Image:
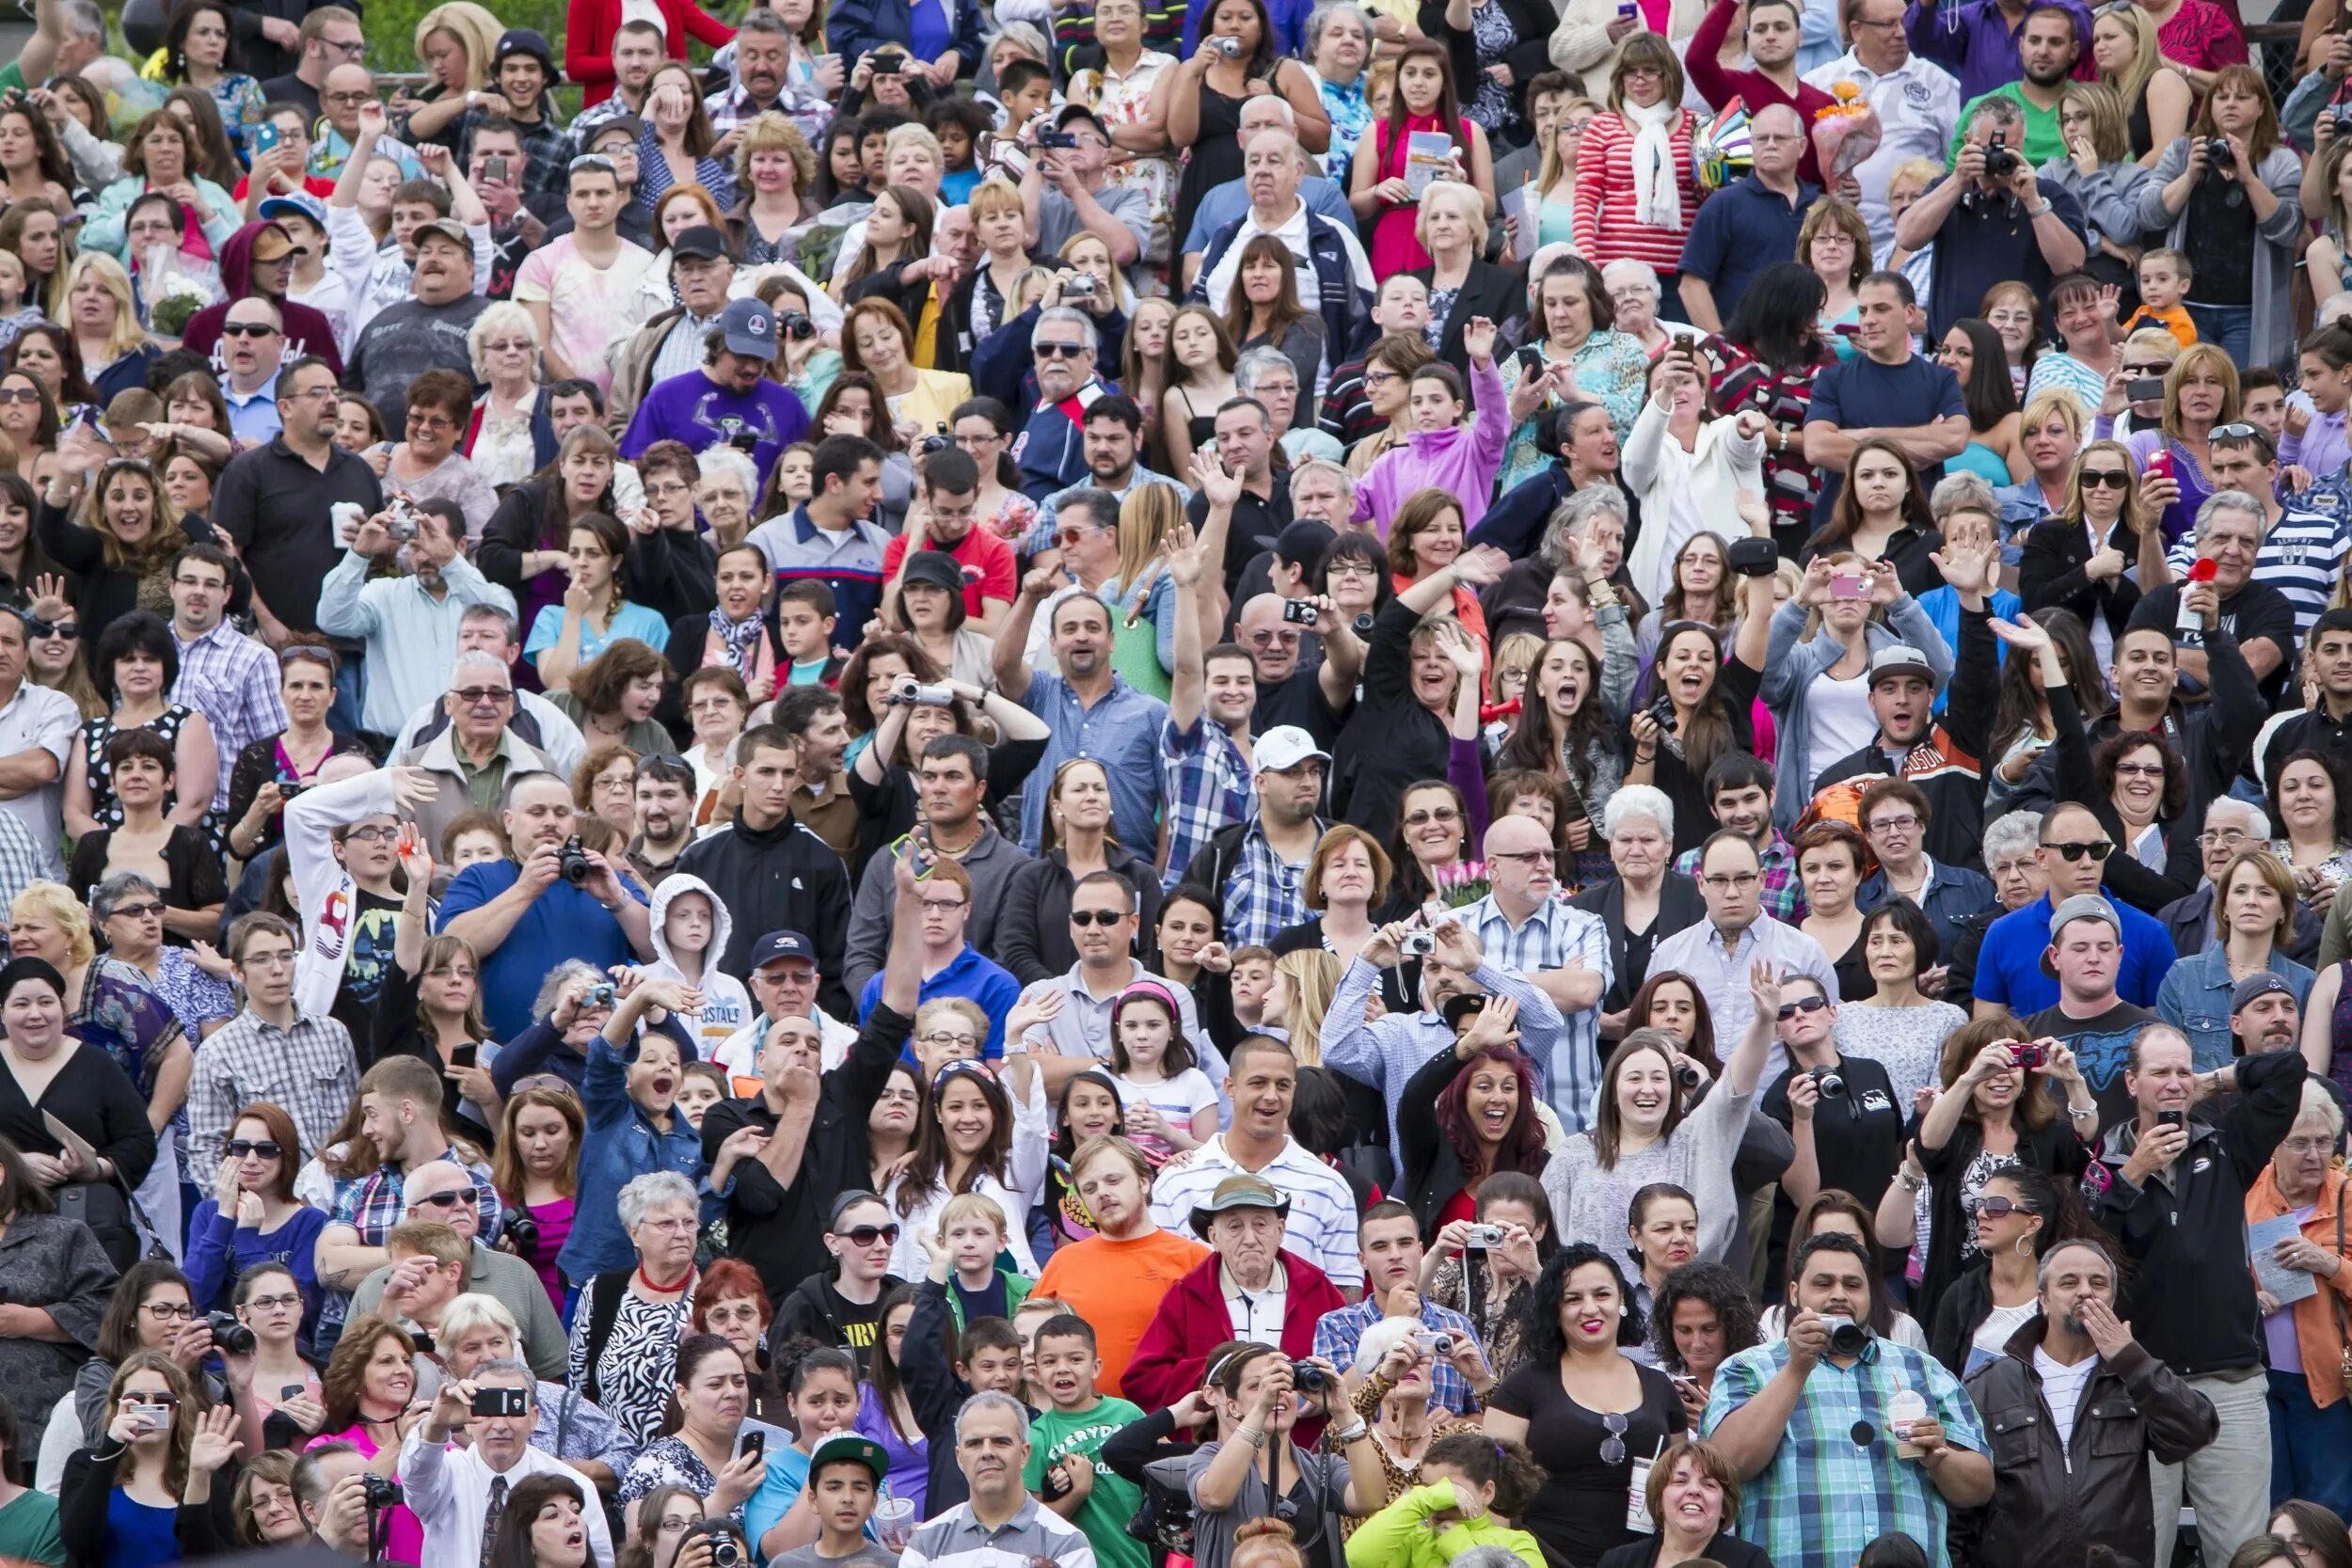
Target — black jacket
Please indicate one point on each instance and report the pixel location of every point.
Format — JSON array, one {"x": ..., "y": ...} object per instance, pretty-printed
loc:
[
  {"x": 783, "y": 878},
  {"x": 2191, "y": 1297},
  {"x": 2051, "y": 1502},
  {"x": 1033, "y": 923},
  {"x": 1958, "y": 1316},
  {"x": 809, "y": 1310},
  {"x": 1680, "y": 906},
  {"x": 2050, "y": 572},
  {"x": 2052, "y": 1149},
  {"x": 927, "y": 1371},
  {"x": 1727, "y": 1548},
  {"x": 672, "y": 573},
  {"x": 1432, "y": 1168},
  {"x": 1947, "y": 764},
  {"x": 1498, "y": 294},
  {"x": 1390, "y": 741}
]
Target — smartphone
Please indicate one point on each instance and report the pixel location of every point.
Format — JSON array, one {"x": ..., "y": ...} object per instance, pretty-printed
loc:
[
  {"x": 2171, "y": 1118},
  {"x": 1531, "y": 360},
  {"x": 500, "y": 1402},
  {"x": 1845, "y": 585},
  {"x": 494, "y": 167},
  {"x": 754, "y": 1443},
  {"x": 889, "y": 65},
  {"x": 464, "y": 1055},
  {"x": 265, "y": 136},
  {"x": 291, "y": 1391},
  {"x": 2144, "y": 389}
]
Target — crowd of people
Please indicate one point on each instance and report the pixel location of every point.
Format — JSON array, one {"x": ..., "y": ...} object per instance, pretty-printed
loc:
[{"x": 1246, "y": 787}]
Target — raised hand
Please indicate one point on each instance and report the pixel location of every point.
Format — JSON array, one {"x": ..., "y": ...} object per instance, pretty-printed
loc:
[
  {"x": 1211, "y": 478},
  {"x": 1478, "y": 341},
  {"x": 1480, "y": 565}
]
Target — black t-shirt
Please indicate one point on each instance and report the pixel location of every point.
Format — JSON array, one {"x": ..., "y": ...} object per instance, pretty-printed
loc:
[
  {"x": 2100, "y": 1044},
  {"x": 2255, "y": 610},
  {"x": 1255, "y": 525},
  {"x": 1580, "y": 1512},
  {"x": 1857, "y": 1142},
  {"x": 1299, "y": 701},
  {"x": 2220, "y": 243},
  {"x": 370, "y": 952}
]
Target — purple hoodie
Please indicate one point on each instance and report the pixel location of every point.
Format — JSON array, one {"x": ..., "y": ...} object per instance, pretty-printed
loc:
[{"x": 1461, "y": 461}]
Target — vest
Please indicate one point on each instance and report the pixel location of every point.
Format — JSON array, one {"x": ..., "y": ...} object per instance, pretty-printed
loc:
[{"x": 1335, "y": 281}]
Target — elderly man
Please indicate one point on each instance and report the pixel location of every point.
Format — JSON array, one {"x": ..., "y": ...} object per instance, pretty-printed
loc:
[
  {"x": 253, "y": 341},
  {"x": 1916, "y": 100},
  {"x": 763, "y": 69},
  {"x": 1717, "y": 951},
  {"x": 991, "y": 1436},
  {"x": 1063, "y": 344},
  {"x": 1254, "y": 1289},
  {"x": 785, "y": 981},
  {"x": 1065, "y": 192},
  {"x": 1222, "y": 204},
  {"x": 1089, "y": 710},
  {"x": 477, "y": 755},
  {"x": 1334, "y": 276},
  {"x": 490, "y": 629},
  {"x": 1749, "y": 223},
  {"x": 409, "y": 623},
  {"x": 419, "y": 1284},
  {"x": 670, "y": 345},
  {"x": 457, "y": 1490},
  {"x": 2259, "y": 617},
  {"x": 2011, "y": 227}
]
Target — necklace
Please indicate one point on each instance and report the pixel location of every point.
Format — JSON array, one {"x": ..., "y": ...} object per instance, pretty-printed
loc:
[
  {"x": 647, "y": 1281},
  {"x": 956, "y": 852}
]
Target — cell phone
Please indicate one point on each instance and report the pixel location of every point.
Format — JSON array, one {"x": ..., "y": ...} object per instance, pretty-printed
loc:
[
  {"x": 152, "y": 1416},
  {"x": 1531, "y": 360},
  {"x": 265, "y": 136},
  {"x": 464, "y": 1055},
  {"x": 291, "y": 1391},
  {"x": 2144, "y": 389},
  {"x": 1845, "y": 585},
  {"x": 500, "y": 1402},
  {"x": 2171, "y": 1118},
  {"x": 754, "y": 1443},
  {"x": 890, "y": 65},
  {"x": 494, "y": 167}
]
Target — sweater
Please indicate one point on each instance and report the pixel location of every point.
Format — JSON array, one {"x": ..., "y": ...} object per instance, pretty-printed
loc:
[
  {"x": 1461, "y": 460},
  {"x": 1403, "y": 1535},
  {"x": 2274, "y": 241},
  {"x": 1606, "y": 228},
  {"x": 1702, "y": 486},
  {"x": 2318, "y": 1332}
]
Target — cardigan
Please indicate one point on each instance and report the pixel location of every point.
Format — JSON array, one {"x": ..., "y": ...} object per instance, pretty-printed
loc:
[
  {"x": 1173, "y": 1354},
  {"x": 1711, "y": 476},
  {"x": 2318, "y": 1329},
  {"x": 1498, "y": 294},
  {"x": 1790, "y": 668},
  {"x": 1681, "y": 905},
  {"x": 2274, "y": 260}
]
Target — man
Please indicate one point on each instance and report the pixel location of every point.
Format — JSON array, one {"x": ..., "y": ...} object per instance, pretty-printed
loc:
[
  {"x": 992, "y": 1435},
  {"x": 252, "y": 344},
  {"x": 1907, "y": 399},
  {"x": 1387, "y": 1242},
  {"x": 1917, "y": 101},
  {"x": 2107, "y": 1407},
  {"x": 524, "y": 915},
  {"x": 1560, "y": 950},
  {"x": 420, "y": 1281},
  {"x": 763, "y": 62},
  {"x": 945, "y": 523},
  {"x": 1752, "y": 222},
  {"x": 517, "y": 98},
  {"x": 812, "y": 716},
  {"x": 1717, "y": 952},
  {"x": 1347, "y": 415},
  {"x": 273, "y": 501},
  {"x": 458, "y": 1490},
  {"x": 1112, "y": 429},
  {"x": 950, "y": 787},
  {"x": 772, "y": 871},
  {"x": 1582, "y": 439},
  {"x": 426, "y": 331},
  {"x": 2089, "y": 1019},
  {"x": 1989, "y": 219},
  {"x": 1066, "y": 192},
  {"x": 344, "y": 126},
  {"x": 1252, "y": 871},
  {"x": 2194, "y": 919},
  {"x": 2229, "y": 534},
  {"x": 639, "y": 47},
  {"x": 785, "y": 982},
  {"x": 329, "y": 1484},
  {"x": 1386, "y": 1052},
  {"x": 1105, "y": 923},
  {"x": 827, "y": 538},
  {"x": 478, "y": 756},
  {"x": 269, "y": 1050},
  {"x": 329, "y": 36},
  {"x": 2171, "y": 1187},
  {"x": 1787, "y": 1415},
  {"x": 670, "y": 342},
  {"x": 408, "y": 622},
  {"x": 1320, "y": 1226},
  {"x": 224, "y": 675},
  {"x": 37, "y": 735},
  {"x": 1086, "y": 542},
  {"x": 576, "y": 286},
  {"x": 1549, "y": 93},
  {"x": 1776, "y": 32},
  {"x": 1222, "y": 204},
  {"x": 2326, "y": 725},
  {"x": 1845, "y": 1114},
  {"x": 1089, "y": 710},
  {"x": 1051, "y": 448},
  {"x": 2046, "y": 45},
  {"x": 1740, "y": 792},
  {"x": 2303, "y": 550},
  {"x": 727, "y": 396},
  {"x": 1334, "y": 276},
  {"x": 665, "y": 795},
  {"x": 2073, "y": 852},
  {"x": 488, "y": 628},
  {"x": 950, "y": 965},
  {"x": 2266, "y": 1015},
  {"x": 1896, "y": 818},
  {"x": 375, "y": 278},
  {"x": 1239, "y": 499}
]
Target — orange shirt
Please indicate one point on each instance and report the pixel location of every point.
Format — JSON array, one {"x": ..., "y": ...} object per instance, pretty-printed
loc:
[{"x": 1117, "y": 1286}]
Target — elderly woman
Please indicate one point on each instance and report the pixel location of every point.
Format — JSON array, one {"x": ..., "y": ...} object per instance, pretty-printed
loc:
[
  {"x": 730, "y": 1301},
  {"x": 1275, "y": 379},
  {"x": 507, "y": 434},
  {"x": 2255, "y": 911},
  {"x": 1396, "y": 1370},
  {"x": 47, "y": 1260},
  {"x": 427, "y": 466},
  {"x": 128, "y": 910},
  {"x": 627, "y": 1328},
  {"x": 1452, "y": 227},
  {"x": 1635, "y": 289},
  {"x": 2311, "y": 1419},
  {"x": 1645, "y": 902}
]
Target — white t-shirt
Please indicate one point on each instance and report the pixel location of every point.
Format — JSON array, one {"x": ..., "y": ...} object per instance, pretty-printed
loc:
[
  {"x": 1837, "y": 722},
  {"x": 1991, "y": 1337},
  {"x": 2063, "y": 1387},
  {"x": 1176, "y": 1098}
]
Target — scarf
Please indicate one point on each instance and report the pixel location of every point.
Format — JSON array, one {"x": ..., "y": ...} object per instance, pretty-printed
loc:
[
  {"x": 741, "y": 640},
  {"x": 1657, "y": 175}
]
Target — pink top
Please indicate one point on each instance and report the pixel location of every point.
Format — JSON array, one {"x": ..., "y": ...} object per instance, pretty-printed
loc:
[
  {"x": 555, "y": 1227},
  {"x": 1606, "y": 229},
  {"x": 404, "y": 1531},
  {"x": 1462, "y": 461}
]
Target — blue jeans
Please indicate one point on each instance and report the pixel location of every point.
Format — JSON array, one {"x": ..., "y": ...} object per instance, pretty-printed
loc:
[
  {"x": 2310, "y": 1448},
  {"x": 2231, "y": 325}
]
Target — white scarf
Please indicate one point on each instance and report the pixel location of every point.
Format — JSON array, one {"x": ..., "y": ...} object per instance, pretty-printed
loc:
[{"x": 1656, "y": 177}]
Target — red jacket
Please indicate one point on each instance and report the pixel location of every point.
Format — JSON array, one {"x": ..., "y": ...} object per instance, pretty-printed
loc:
[
  {"x": 589, "y": 26},
  {"x": 1192, "y": 1321}
]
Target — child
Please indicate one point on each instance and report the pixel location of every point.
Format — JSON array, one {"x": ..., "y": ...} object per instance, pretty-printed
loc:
[
  {"x": 1252, "y": 977},
  {"x": 971, "y": 1234},
  {"x": 1026, "y": 90},
  {"x": 939, "y": 1370},
  {"x": 690, "y": 924},
  {"x": 1170, "y": 1104},
  {"x": 1089, "y": 1109},
  {"x": 1067, "y": 1437},
  {"x": 1465, "y": 1480},
  {"x": 2165, "y": 276},
  {"x": 1034, "y": 1314},
  {"x": 844, "y": 1479},
  {"x": 804, "y": 620},
  {"x": 2315, "y": 443},
  {"x": 958, "y": 123},
  {"x": 1443, "y": 452},
  {"x": 473, "y": 839},
  {"x": 796, "y": 470},
  {"x": 705, "y": 1085}
]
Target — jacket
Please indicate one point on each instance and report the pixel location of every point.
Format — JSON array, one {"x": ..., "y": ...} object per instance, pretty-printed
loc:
[
  {"x": 1681, "y": 905},
  {"x": 590, "y": 25},
  {"x": 2050, "y": 1503},
  {"x": 2318, "y": 1329},
  {"x": 2191, "y": 922},
  {"x": 674, "y": 572},
  {"x": 1789, "y": 667},
  {"x": 1033, "y": 923},
  {"x": 1338, "y": 303},
  {"x": 308, "y": 331},
  {"x": 726, "y": 1006},
  {"x": 203, "y": 1529},
  {"x": 2275, "y": 239},
  {"x": 1945, "y": 763},
  {"x": 2050, "y": 572},
  {"x": 991, "y": 864},
  {"x": 809, "y": 1310},
  {"x": 1712, "y": 474},
  {"x": 1433, "y": 1173},
  {"x": 622, "y": 1143},
  {"x": 1726, "y": 1549},
  {"x": 1953, "y": 893},
  {"x": 542, "y": 441},
  {"x": 1516, "y": 522},
  {"x": 1489, "y": 291},
  {"x": 1173, "y": 1354},
  {"x": 110, "y": 218},
  {"x": 1959, "y": 1313},
  {"x": 855, "y": 28},
  {"x": 1461, "y": 459},
  {"x": 632, "y": 358},
  {"x": 2191, "y": 1298},
  {"x": 450, "y": 798},
  {"x": 779, "y": 879}
]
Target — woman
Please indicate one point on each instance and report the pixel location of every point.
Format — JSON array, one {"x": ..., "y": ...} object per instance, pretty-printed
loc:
[
  {"x": 122, "y": 546},
  {"x": 2305, "y": 1528},
  {"x": 2097, "y": 170},
  {"x": 357, "y": 424},
  {"x": 114, "y": 349},
  {"x": 1121, "y": 92},
  {"x": 1399, "y": 732},
  {"x": 1835, "y": 241},
  {"x": 541, "y": 1526},
  {"x": 1889, "y": 1021},
  {"x": 152, "y": 1491},
  {"x": 158, "y": 156},
  {"x": 1424, "y": 536},
  {"x": 595, "y": 612},
  {"x": 1636, "y": 193},
  {"x": 2155, "y": 92},
  {"x": 1397, "y": 1367},
  {"x": 2306, "y": 1338},
  {"x": 732, "y": 1304},
  {"x": 1646, "y": 1132},
  {"x": 604, "y": 787},
  {"x": 200, "y": 52},
  {"x": 189, "y": 475},
  {"x": 129, "y": 911},
  {"x": 135, "y": 669},
  {"x": 2317, "y": 815},
  {"x": 2020, "y": 1214},
  {"x": 251, "y": 1216},
  {"x": 882, "y": 776},
  {"x": 1770, "y": 351},
  {"x": 1348, "y": 879},
  {"x": 929, "y": 607},
  {"x": 1463, "y": 287},
  {"x": 1830, "y": 858},
  {"x": 49, "y": 1260},
  {"x": 1701, "y": 1317},
  {"x": 626, "y": 1330},
  {"x": 825, "y": 1397},
  {"x": 1661, "y": 1234},
  {"x": 2138, "y": 783},
  {"x": 2081, "y": 372},
  {"x": 877, "y": 341},
  {"x": 46, "y": 352},
  {"x": 426, "y": 466},
  {"x": 1033, "y": 923},
  {"x": 1671, "y": 1000},
  {"x": 1568, "y": 730},
  {"x": 369, "y": 1383},
  {"x": 455, "y": 43},
  {"x": 773, "y": 165},
  {"x": 2082, "y": 558},
  {"x": 698, "y": 1446},
  {"x": 177, "y": 859},
  {"x": 1586, "y": 1410},
  {"x": 1644, "y": 903},
  {"x": 1201, "y": 381},
  {"x": 1263, "y": 311},
  {"x": 1688, "y": 468},
  {"x": 1693, "y": 1495},
  {"x": 536, "y": 1171},
  {"x": 898, "y": 238},
  {"x": 1200, "y": 103},
  {"x": 1972, "y": 350},
  {"x": 267, "y": 1515},
  {"x": 34, "y": 161},
  {"x": 429, "y": 1005},
  {"x": 612, "y": 696},
  {"x": 1819, "y": 684},
  {"x": 268, "y": 771},
  {"x": 1467, "y": 1115},
  {"x": 2237, "y": 222},
  {"x": 885, "y": 1413},
  {"x": 1553, "y": 199},
  {"x": 1992, "y": 1113},
  {"x": 151, "y": 1310},
  {"x": 679, "y": 146},
  {"x": 1256, "y": 1467},
  {"x": 976, "y": 1136},
  {"x": 1585, "y": 358},
  {"x": 859, "y": 1232},
  {"x": 1700, "y": 587},
  {"x": 1423, "y": 105},
  {"x": 1492, "y": 1286},
  {"x": 507, "y": 436},
  {"x": 1340, "y": 43}
]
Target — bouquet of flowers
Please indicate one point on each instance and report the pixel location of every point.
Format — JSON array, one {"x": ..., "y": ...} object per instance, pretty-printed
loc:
[
  {"x": 1846, "y": 133},
  {"x": 1459, "y": 885},
  {"x": 177, "y": 297},
  {"x": 1720, "y": 152}
]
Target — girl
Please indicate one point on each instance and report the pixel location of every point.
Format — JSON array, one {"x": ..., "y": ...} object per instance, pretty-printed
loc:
[
  {"x": 898, "y": 231},
  {"x": 890, "y": 1126},
  {"x": 536, "y": 1171},
  {"x": 156, "y": 1488},
  {"x": 974, "y": 1137},
  {"x": 252, "y": 1217},
  {"x": 1145, "y": 367},
  {"x": 1881, "y": 517},
  {"x": 823, "y": 1384},
  {"x": 1170, "y": 1104},
  {"x": 596, "y": 609},
  {"x": 1201, "y": 380},
  {"x": 1568, "y": 730},
  {"x": 1262, "y": 311},
  {"x": 885, "y": 1414},
  {"x": 1977, "y": 354},
  {"x": 2315, "y": 439},
  {"x": 1555, "y": 174},
  {"x": 270, "y": 1300},
  {"x": 1424, "y": 104},
  {"x": 525, "y": 545},
  {"x": 1089, "y": 1108},
  {"x": 120, "y": 548},
  {"x": 1444, "y": 450},
  {"x": 1425, "y": 537}
]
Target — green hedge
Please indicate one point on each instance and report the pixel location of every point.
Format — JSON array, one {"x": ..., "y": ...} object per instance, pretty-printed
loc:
[{"x": 391, "y": 27}]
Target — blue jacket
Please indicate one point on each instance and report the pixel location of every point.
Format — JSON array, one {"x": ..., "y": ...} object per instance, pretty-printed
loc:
[
  {"x": 2195, "y": 999},
  {"x": 621, "y": 1143},
  {"x": 1050, "y": 451},
  {"x": 1516, "y": 523},
  {"x": 977, "y": 979},
  {"x": 1341, "y": 304},
  {"x": 857, "y": 26},
  {"x": 1953, "y": 893}
]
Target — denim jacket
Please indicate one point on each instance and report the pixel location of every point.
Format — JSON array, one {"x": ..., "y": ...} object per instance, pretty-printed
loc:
[
  {"x": 2195, "y": 999},
  {"x": 621, "y": 1143}
]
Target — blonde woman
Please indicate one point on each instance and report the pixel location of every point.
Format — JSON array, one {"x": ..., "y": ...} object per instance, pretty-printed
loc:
[
  {"x": 2098, "y": 172},
  {"x": 1142, "y": 596},
  {"x": 2201, "y": 392},
  {"x": 774, "y": 167},
  {"x": 510, "y": 436},
  {"x": 102, "y": 314},
  {"x": 1299, "y": 998},
  {"x": 1555, "y": 173},
  {"x": 2156, "y": 94},
  {"x": 986, "y": 292},
  {"x": 455, "y": 43},
  {"x": 1835, "y": 241}
]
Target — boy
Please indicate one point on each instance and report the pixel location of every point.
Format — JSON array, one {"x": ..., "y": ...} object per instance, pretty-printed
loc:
[
  {"x": 804, "y": 622},
  {"x": 1034, "y": 1314},
  {"x": 972, "y": 1234},
  {"x": 1026, "y": 90},
  {"x": 846, "y": 1474},
  {"x": 958, "y": 123},
  {"x": 304, "y": 219},
  {"x": 689, "y": 925},
  {"x": 1253, "y": 979},
  {"x": 987, "y": 1358},
  {"x": 1067, "y": 1436},
  {"x": 2165, "y": 276}
]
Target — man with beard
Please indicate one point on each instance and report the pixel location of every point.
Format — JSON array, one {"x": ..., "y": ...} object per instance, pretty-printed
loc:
[
  {"x": 1253, "y": 871},
  {"x": 1585, "y": 442},
  {"x": 2107, "y": 1407},
  {"x": 1989, "y": 43},
  {"x": 1112, "y": 427},
  {"x": 2009, "y": 226},
  {"x": 258, "y": 263},
  {"x": 727, "y": 396},
  {"x": 665, "y": 817},
  {"x": 428, "y": 331}
]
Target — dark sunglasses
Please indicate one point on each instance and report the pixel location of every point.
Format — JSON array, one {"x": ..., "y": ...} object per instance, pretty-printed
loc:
[
  {"x": 247, "y": 329},
  {"x": 2106, "y": 478},
  {"x": 1059, "y": 351},
  {"x": 1613, "y": 1446},
  {"x": 239, "y": 1148},
  {"x": 450, "y": 1199},
  {"x": 866, "y": 1235},
  {"x": 40, "y": 628},
  {"x": 1095, "y": 917},
  {"x": 1801, "y": 1005},
  {"x": 2097, "y": 853},
  {"x": 1996, "y": 1207}
]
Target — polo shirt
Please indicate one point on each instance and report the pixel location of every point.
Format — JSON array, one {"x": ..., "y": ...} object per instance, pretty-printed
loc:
[
  {"x": 564, "y": 922},
  {"x": 275, "y": 506},
  {"x": 1985, "y": 241},
  {"x": 253, "y": 416},
  {"x": 698, "y": 411},
  {"x": 1862, "y": 393},
  {"x": 2009, "y": 965},
  {"x": 1034, "y": 1535},
  {"x": 1741, "y": 230},
  {"x": 1121, "y": 731},
  {"x": 849, "y": 562},
  {"x": 2255, "y": 610},
  {"x": 990, "y": 569},
  {"x": 967, "y": 976}
]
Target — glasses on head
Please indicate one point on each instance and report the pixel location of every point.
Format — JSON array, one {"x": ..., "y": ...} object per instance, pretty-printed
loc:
[
  {"x": 2106, "y": 478},
  {"x": 450, "y": 1199},
  {"x": 267, "y": 1149},
  {"x": 593, "y": 161},
  {"x": 2097, "y": 851},
  {"x": 1105, "y": 918},
  {"x": 1613, "y": 1424},
  {"x": 1725, "y": 882},
  {"x": 1053, "y": 349},
  {"x": 247, "y": 329},
  {"x": 480, "y": 696},
  {"x": 164, "y": 1311},
  {"x": 1801, "y": 1005},
  {"x": 1992, "y": 1206},
  {"x": 866, "y": 1235}
]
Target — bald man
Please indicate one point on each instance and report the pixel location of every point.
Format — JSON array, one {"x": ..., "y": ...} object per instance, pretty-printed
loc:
[{"x": 1749, "y": 224}]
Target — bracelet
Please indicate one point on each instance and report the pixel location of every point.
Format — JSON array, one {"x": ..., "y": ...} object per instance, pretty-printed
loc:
[
  {"x": 1642, "y": 756},
  {"x": 2042, "y": 211},
  {"x": 1255, "y": 1439},
  {"x": 2078, "y": 1112},
  {"x": 1911, "y": 1183},
  {"x": 1351, "y": 1433}
]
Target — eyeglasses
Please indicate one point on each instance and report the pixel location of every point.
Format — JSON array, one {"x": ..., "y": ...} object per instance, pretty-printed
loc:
[
  {"x": 267, "y": 1149},
  {"x": 1052, "y": 350},
  {"x": 1530, "y": 858},
  {"x": 2139, "y": 770},
  {"x": 450, "y": 1199},
  {"x": 348, "y": 99},
  {"x": 2097, "y": 853},
  {"x": 1722, "y": 881},
  {"x": 671, "y": 1228},
  {"x": 247, "y": 329},
  {"x": 1907, "y": 823},
  {"x": 1438, "y": 814},
  {"x": 1803, "y": 1004},
  {"x": 1274, "y": 640},
  {"x": 2214, "y": 838},
  {"x": 275, "y": 1304},
  {"x": 371, "y": 835},
  {"x": 421, "y": 420},
  {"x": 350, "y": 49},
  {"x": 2153, "y": 366},
  {"x": 1378, "y": 378},
  {"x": 943, "y": 903},
  {"x": 866, "y": 1235},
  {"x": 1613, "y": 1446},
  {"x": 2106, "y": 478},
  {"x": 164, "y": 1311},
  {"x": 144, "y": 912},
  {"x": 1105, "y": 918},
  {"x": 947, "y": 1039},
  {"x": 1992, "y": 1206},
  {"x": 478, "y": 696}
]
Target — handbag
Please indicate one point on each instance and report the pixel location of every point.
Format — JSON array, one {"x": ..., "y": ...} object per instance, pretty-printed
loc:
[{"x": 2343, "y": 1337}]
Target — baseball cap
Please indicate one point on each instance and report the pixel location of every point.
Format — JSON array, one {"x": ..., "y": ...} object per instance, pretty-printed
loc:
[
  {"x": 2082, "y": 906},
  {"x": 449, "y": 229},
  {"x": 1238, "y": 1191},
  {"x": 849, "y": 1446},
  {"x": 935, "y": 567},
  {"x": 1079, "y": 111},
  {"x": 1464, "y": 1005},
  {"x": 1284, "y": 747},
  {"x": 2248, "y": 990},
  {"x": 750, "y": 329},
  {"x": 1900, "y": 660},
  {"x": 526, "y": 41},
  {"x": 700, "y": 241},
  {"x": 302, "y": 205},
  {"x": 272, "y": 243},
  {"x": 782, "y": 945},
  {"x": 628, "y": 124}
]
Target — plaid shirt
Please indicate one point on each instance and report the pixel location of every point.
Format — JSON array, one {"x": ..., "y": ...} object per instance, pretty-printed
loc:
[
  {"x": 232, "y": 681},
  {"x": 1783, "y": 894},
  {"x": 21, "y": 863},
  {"x": 1263, "y": 893},
  {"x": 375, "y": 1204},
  {"x": 308, "y": 1070},
  {"x": 736, "y": 107},
  {"x": 1337, "y": 1333},
  {"x": 1554, "y": 936},
  {"x": 1209, "y": 786},
  {"x": 1822, "y": 1497}
]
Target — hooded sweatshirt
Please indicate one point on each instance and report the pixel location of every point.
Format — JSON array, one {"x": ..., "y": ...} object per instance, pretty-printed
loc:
[
  {"x": 726, "y": 1006},
  {"x": 1461, "y": 460},
  {"x": 308, "y": 331}
]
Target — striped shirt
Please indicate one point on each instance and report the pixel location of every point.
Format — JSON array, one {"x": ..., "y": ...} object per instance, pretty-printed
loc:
[
  {"x": 232, "y": 681},
  {"x": 958, "y": 1539},
  {"x": 1321, "y": 1227},
  {"x": 849, "y": 562},
  {"x": 1553, "y": 936},
  {"x": 2302, "y": 556},
  {"x": 1606, "y": 228}
]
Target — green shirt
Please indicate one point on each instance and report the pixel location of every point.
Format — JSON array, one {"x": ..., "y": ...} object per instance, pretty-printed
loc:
[
  {"x": 2042, "y": 141},
  {"x": 28, "y": 1527},
  {"x": 1103, "y": 1517}
]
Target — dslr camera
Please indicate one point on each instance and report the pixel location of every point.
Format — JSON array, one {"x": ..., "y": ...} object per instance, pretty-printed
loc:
[
  {"x": 523, "y": 1232},
  {"x": 1829, "y": 1081},
  {"x": 1662, "y": 708},
  {"x": 727, "y": 1547},
  {"x": 2218, "y": 153},
  {"x": 2000, "y": 159},
  {"x": 1846, "y": 1336},
  {"x": 939, "y": 440},
  {"x": 231, "y": 1336},
  {"x": 572, "y": 862},
  {"x": 1687, "y": 1075},
  {"x": 797, "y": 326},
  {"x": 380, "y": 1491}
]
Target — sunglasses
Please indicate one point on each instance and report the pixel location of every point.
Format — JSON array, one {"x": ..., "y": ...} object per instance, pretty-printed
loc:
[
  {"x": 268, "y": 1149},
  {"x": 866, "y": 1235},
  {"x": 1803, "y": 1004},
  {"x": 1613, "y": 1424},
  {"x": 450, "y": 1199},
  {"x": 247, "y": 329},
  {"x": 2097, "y": 853},
  {"x": 2106, "y": 478},
  {"x": 41, "y": 629},
  {"x": 1096, "y": 917},
  {"x": 1059, "y": 351},
  {"x": 18, "y": 394},
  {"x": 1993, "y": 1207}
]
